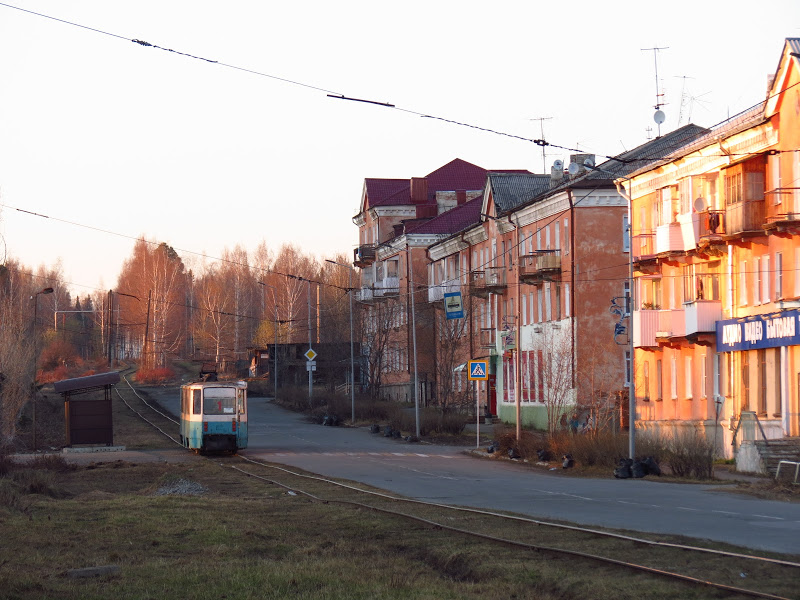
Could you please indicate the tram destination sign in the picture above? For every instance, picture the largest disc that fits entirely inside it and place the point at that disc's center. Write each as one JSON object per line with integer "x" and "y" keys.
{"x": 759, "y": 331}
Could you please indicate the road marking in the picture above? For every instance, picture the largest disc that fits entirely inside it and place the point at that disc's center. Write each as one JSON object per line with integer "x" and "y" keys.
{"x": 770, "y": 517}
{"x": 726, "y": 512}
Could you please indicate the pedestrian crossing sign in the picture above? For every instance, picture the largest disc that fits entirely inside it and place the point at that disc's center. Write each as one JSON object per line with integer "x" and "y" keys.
{"x": 478, "y": 370}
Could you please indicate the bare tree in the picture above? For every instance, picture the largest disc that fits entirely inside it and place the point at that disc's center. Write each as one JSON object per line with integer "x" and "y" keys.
{"x": 16, "y": 346}
{"x": 452, "y": 349}
{"x": 556, "y": 373}
{"x": 379, "y": 323}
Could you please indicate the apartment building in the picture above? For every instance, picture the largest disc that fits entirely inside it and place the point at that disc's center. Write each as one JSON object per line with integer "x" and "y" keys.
{"x": 717, "y": 292}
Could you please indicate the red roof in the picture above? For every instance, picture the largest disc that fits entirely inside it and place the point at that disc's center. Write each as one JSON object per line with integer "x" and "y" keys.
{"x": 454, "y": 220}
{"x": 456, "y": 175}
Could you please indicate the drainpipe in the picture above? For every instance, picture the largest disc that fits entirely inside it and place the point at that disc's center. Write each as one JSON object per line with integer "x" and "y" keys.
{"x": 572, "y": 316}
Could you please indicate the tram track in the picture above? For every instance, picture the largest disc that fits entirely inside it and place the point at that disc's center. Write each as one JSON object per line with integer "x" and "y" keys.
{"x": 576, "y": 542}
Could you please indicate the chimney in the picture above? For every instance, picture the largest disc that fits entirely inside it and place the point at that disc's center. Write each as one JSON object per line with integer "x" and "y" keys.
{"x": 419, "y": 190}
{"x": 461, "y": 197}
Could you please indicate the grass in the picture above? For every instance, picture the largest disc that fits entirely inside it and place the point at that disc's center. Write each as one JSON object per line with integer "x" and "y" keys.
{"x": 244, "y": 538}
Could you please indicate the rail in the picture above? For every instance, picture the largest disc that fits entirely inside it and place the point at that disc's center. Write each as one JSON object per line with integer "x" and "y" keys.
{"x": 796, "y": 466}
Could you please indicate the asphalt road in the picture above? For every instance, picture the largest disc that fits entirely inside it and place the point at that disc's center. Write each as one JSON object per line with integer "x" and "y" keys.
{"x": 449, "y": 475}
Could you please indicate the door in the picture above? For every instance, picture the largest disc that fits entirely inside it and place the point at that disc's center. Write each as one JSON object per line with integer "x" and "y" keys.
{"x": 492, "y": 391}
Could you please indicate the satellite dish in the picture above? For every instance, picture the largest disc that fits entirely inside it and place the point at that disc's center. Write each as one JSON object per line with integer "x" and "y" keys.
{"x": 559, "y": 165}
{"x": 588, "y": 162}
{"x": 659, "y": 117}
{"x": 700, "y": 204}
{"x": 574, "y": 168}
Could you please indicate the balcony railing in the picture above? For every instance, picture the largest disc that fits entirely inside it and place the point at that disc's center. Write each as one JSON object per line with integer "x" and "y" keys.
{"x": 436, "y": 292}
{"x": 744, "y": 217}
{"x": 488, "y": 337}
{"x": 366, "y": 294}
{"x": 542, "y": 265}
{"x": 671, "y": 323}
{"x": 645, "y": 326}
{"x": 388, "y": 286}
{"x": 669, "y": 238}
{"x": 712, "y": 225}
{"x": 644, "y": 245}
{"x": 364, "y": 255}
{"x": 491, "y": 280}
{"x": 701, "y": 316}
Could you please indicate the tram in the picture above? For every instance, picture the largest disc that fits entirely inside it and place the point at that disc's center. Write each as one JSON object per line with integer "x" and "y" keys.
{"x": 214, "y": 416}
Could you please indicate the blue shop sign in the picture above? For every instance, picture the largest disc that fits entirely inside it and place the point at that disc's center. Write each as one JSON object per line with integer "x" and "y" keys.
{"x": 759, "y": 331}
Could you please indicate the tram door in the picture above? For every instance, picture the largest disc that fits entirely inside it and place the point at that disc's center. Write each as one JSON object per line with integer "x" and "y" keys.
{"x": 241, "y": 418}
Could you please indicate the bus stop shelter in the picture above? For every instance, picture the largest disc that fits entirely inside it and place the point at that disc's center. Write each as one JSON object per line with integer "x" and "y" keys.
{"x": 88, "y": 418}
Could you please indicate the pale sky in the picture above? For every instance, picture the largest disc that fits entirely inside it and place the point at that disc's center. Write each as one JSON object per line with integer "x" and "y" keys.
{"x": 102, "y": 132}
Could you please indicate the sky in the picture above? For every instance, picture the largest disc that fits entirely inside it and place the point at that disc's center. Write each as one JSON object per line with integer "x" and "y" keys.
{"x": 105, "y": 140}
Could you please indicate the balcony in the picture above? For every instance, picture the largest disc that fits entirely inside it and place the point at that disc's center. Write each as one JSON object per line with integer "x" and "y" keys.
{"x": 364, "y": 255}
{"x": 690, "y": 230}
{"x": 711, "y": 228}
{"x": 488, "y": 337}
{"x": 783, "y": 224}
{"x": 436, "y": 292}
{"x": 745, "y": 218}
{"x": 388, "y": 286}
{"x": 669, "y": 238}
{"x": 366, "y": 294}
{"x": 644, "y": 246}
{"x": 491, "y": 280}
{"x": 542, "y": 265}
{"x": 645, "y": 325}
{"x": 671, "y": 324}
{"x": 701, "y": 316}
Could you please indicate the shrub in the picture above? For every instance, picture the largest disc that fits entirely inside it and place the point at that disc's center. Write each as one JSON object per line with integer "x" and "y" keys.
{"x": 158, "y": 375}
{"x": 690, "y": 454}
{"x": 31, "y": 481}
{"x": 51, "y": 462}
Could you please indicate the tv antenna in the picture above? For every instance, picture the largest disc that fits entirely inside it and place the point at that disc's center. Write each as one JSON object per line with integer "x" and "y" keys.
{"x": 659, "y": 117}
{"x": 541, "y": 128}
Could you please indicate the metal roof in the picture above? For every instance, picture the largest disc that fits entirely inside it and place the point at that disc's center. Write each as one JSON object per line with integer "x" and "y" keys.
{"x": 511, "y": 190}
{"x": 84, "y": 383}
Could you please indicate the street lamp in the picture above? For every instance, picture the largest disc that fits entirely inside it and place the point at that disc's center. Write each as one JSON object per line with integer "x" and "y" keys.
{"x": 352, "y": 363}
{"x": 275, "y": 309}
{"x": 35, "y": 297}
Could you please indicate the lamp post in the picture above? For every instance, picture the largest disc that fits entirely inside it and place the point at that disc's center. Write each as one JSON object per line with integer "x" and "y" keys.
{"x": 47, "y": 290}
{"x": 275, "y": 358}
{"x": 352, "y": 363}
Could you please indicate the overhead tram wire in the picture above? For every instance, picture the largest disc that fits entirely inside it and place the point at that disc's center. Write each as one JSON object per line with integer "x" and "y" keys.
{"x": 331, "y": 93}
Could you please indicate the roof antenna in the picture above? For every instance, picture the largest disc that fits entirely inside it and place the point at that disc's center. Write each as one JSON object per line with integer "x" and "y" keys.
{"x": 659, "y": 117}
{"x": 541, "y": 127}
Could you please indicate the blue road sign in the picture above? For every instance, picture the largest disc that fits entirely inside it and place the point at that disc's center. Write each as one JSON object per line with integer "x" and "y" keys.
{"x": 478, "y": 370}
{"x": 453, "y": 306}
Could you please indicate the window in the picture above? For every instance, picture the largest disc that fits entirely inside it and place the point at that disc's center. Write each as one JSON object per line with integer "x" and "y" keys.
{"x": 557, "y": 226}
{"x": 524, "y": 307}
{"x": 685, "y": 194}
{"x": 765, "y": 279}
{"x": 646, "y": 377}
{"x": 196, "y": 395}
{"x": 775, "y": 176}
{"x": 762, "y": 380}
{"x": 567, "y": 300}
{"x": 539, "y": 304}
{"x": 627, "y": 368}
{"x": 219, "y": 401}
{"x": 673, "y": 388}
{"x": 547, "y": 238}
{"x": 659, "y": 388}
{"x": 756, "y": 280}
{"x": 687, "y": 377}
{"x": 548, "y": 314}
{"x": 743, "y": 283}
{"x": 566, "y": 236}
{"x": 778, "y": 275}
{"x": 745, "y": 380}
{"x": 626, "y": 238}
{"x": 703, "y": 376}
{"x": 558, "y": 302}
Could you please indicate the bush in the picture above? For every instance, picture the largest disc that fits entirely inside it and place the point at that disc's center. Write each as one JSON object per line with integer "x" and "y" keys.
{"x": 602, "y": 449}
{"x": 158, "y": 375}
{"x": 690, "y": 454}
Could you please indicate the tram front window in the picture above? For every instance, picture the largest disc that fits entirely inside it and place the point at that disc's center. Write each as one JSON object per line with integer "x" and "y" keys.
{"x": 219, "y": 401}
